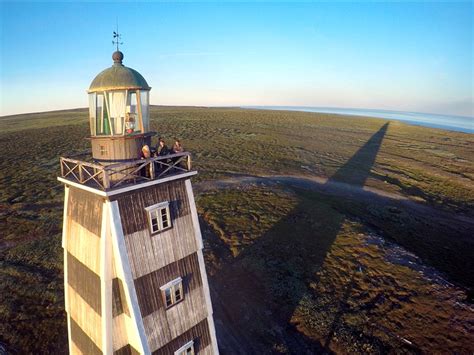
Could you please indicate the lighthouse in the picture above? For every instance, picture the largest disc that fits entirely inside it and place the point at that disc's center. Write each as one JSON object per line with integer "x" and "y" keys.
{"x": 134, "y": 275}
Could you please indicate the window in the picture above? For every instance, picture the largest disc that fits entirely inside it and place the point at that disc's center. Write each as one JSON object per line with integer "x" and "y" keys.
{"x": 103, "y": 150}
{"x": 102, "y": 125}
{"x": 92, "y": 111}
{"x": 186, "y": 349}
{"x": 172, "y": 292}
{"x": 144, "y": 109}
{"x": 133, "y": 118}
{"x": 159, "y": 217}
{"x": 116, "y": 104}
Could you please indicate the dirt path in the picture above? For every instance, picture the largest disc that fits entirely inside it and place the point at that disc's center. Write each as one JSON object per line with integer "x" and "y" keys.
{"x": 334, "y": 188}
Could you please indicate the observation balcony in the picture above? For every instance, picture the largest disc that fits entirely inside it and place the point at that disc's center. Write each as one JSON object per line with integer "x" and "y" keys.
{"x": 123, "y": 174}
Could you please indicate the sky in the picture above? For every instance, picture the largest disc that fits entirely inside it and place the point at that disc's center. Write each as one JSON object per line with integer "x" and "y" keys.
{"x": 404, "y": 56}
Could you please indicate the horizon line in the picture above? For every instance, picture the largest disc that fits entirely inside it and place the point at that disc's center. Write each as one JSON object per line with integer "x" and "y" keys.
{"x": 256, "y": 107}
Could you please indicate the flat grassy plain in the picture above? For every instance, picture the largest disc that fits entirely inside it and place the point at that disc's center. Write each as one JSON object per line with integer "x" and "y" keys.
{"x": 292, "y": 269}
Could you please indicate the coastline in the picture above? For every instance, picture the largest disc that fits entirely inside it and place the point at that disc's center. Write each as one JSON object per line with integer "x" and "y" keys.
{"x": 453, "y": 123}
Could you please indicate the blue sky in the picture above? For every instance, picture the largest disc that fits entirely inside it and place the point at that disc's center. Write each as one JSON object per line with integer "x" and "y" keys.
{"x": 397, "y": 56}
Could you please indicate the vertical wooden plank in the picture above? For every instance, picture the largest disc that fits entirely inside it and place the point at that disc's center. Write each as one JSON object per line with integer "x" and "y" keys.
{"x": 202, "y": 266}
{"x": 64, "y": 245}
{"x": 105, "y": 179}
{"x": 123, "y": 270}
{"x": 81, "y": 173}
{"x": 152, "y": 170}
{"x": 188, "y": 162}
{"x": 61, "y": 164}
{"x": 106, "y": 282}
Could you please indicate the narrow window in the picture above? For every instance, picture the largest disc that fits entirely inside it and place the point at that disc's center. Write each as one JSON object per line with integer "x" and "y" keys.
{"x": 186, "y": 349}
{"x": 99, "y": 125}
{"x": 103, "y": 150}
{"x": 159, "y": 217}
{"x": 92, "y": 111}
{"x": 172, "y": 292}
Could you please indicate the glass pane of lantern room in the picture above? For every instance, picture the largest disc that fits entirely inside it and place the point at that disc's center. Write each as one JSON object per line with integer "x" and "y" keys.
{"x": 105, "y": 118}
{"x": 102, "y": 117}
{"x": 116, "y": 101}
{"x": 144, "y": 107}
{"x": 92, "y": 112}
{"x": 99, "y": 124}
{"x": 131, "y": 113}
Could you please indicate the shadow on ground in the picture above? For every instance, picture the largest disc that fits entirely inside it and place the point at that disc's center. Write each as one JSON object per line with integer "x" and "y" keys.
{"x": 267, "y": 280}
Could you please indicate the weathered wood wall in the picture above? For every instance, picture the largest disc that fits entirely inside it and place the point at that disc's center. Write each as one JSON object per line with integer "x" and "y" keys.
{"x": 154, "y": 260}
{"x": 118, "y": 148}
{"x": 82, "y": 340}
{"x": 85, "y": 208}
{"x": 199, "y": 334}
{"x": 85, "y": 317}
{"x": 126, "y": 350}
{"x": 164, "y": 324}
{"x": 82, "y": 243}
{"x": 147, "y": 252}
{"x": 119, "y": 304}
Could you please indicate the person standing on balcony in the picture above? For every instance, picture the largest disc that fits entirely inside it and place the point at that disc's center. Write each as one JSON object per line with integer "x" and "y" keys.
{"x": 145, "y": 171}
{"x": 146, "y": 152}
{"x": 177, "y": 147}
{"x": 162, "y": 149}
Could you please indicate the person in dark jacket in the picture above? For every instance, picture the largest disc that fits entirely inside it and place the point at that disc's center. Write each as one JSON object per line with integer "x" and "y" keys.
{"x": 161, "y": 148}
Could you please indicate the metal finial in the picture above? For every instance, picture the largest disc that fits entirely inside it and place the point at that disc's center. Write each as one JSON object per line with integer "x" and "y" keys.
{"x": 117, "y": 38}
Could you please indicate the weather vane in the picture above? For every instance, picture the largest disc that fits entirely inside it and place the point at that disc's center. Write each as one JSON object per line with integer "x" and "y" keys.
{"x": 117, "y": 38}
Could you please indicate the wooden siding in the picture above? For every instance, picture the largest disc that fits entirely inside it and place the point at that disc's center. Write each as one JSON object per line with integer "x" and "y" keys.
{"x": 148, "y": 287}
{"x": 147, "y": 252}
{"x": 119, "y": 304}
{"x": 164, "y": 324}
{"x": 85, "y": 316}
{"x": 83, "y": 245}
{"x": 199, "y": 334}
{"x": 126, "y": 350}
{"x": 85, "y": 208}
{"x": 118, "y": 148}
{"x": 120, "y": 331}
{"x": 82, "y": 341}
{"x": 85, "y": 282}
{"x": 132, "y": 204}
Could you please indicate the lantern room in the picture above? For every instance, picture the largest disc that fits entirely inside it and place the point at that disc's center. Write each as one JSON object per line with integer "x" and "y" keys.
{"x": 119, "y": 113}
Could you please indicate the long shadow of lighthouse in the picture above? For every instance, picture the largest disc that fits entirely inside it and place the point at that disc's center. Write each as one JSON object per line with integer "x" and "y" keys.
{"x": 257, "y": 282}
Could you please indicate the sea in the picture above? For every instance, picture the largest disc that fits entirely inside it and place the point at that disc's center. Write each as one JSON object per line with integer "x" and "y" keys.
{"x": 447, "y": 122}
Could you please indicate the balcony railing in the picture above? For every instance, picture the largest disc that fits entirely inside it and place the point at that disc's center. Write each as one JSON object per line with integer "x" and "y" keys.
{"x": 106, "y": 177}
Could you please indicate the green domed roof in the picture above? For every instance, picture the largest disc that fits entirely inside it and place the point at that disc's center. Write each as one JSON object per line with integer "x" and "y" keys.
{"x": 117, "y": 77}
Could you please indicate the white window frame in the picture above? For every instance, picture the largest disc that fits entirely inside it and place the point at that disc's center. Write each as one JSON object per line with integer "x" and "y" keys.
{"x": 173, "y": 286}
{"x": 155, "y": 212}
{"x": 182, "y": 350}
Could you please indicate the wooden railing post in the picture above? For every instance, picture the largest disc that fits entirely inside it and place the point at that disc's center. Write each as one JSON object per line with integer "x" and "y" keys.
{"x": 152, "y": 170}
{"x": 106, "y": 180}
{"x": 81, "y": 177}
{"x": 188, "y": 162}
{"x": 62, "y": 167}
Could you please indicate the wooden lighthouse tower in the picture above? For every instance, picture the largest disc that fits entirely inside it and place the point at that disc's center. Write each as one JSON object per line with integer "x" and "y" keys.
{"x": 134, "y": 274}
